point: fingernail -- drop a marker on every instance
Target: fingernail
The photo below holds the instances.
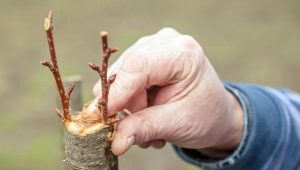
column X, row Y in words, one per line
column 122, row 115
column 121, row 144
column 158, row 144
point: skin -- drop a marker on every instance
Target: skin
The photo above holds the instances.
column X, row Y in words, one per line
column 175, row 96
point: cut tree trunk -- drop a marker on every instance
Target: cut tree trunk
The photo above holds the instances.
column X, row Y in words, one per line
column 90, row 152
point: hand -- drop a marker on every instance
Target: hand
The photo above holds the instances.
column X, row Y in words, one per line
column 175, row 95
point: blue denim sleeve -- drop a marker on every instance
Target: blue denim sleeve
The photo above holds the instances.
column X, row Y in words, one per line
column 271, row 135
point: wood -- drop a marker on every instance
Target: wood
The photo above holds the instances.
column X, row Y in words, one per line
column 105, row 83
column 76, row 98
column 90, row 152
column 87, row 142
column 53, row 67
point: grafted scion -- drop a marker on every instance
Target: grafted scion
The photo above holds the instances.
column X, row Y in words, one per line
column 105, row 82
column 53, row 66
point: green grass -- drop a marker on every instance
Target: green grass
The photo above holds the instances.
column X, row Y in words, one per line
column 42, row 152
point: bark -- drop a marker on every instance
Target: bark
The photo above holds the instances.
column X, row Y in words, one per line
column 90, row 152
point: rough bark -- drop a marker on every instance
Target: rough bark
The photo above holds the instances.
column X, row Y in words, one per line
column 90, row 152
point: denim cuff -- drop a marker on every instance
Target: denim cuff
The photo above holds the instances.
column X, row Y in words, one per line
column 195, row 157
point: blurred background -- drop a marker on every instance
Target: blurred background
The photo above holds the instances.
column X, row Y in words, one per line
column 247, row 41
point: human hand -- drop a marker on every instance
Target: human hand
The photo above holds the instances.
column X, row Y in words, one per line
column 188, row 104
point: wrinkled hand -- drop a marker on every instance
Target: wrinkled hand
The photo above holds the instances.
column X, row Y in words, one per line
column 175, row 95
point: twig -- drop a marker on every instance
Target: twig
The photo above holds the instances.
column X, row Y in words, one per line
column 111, row 79
column 53, row 66
column 105, row 83
column 70, row 90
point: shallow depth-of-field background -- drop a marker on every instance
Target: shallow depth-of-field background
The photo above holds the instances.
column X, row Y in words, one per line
column 250, row 41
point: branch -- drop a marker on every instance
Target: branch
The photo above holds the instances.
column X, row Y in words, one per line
column 95, row 67
column 70, row 90
column 105, row 83
column 52, row 64
column 102, row 107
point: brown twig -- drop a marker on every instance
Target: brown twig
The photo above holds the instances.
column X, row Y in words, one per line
column 105, row 83
column 111, row 80
column 53, row 66
column 70, row 90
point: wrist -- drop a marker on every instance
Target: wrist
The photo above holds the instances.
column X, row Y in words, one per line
column 237, row 124
column 232, row 136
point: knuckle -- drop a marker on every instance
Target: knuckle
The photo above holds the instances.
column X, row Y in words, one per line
column 150, row 129
column 135, row 64
column 188, row 40
column 143, row 40
column 188, row 43
column 144, row 145
column 167, row 31
column 147, row 129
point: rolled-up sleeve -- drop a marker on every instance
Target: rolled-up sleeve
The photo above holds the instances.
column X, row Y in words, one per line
column 271, row 135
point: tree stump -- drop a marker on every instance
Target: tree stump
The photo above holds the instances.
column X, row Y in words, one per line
column 90, row 152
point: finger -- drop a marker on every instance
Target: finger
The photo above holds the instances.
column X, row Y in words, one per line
column 112, row 70
column 127, row 89
column 123, row 114
column 144, row 145
column 147, row 125
column 140, row 70
column 158, row 144
column 138, row 73
column 92, row 108
column 138, row 102
column 164, row 34
column 140, row 43
column 131, row 81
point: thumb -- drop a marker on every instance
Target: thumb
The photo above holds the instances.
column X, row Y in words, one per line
column 145, row 126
